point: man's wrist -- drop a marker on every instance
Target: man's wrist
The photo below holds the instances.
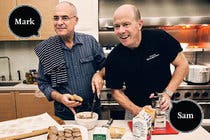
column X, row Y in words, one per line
column 136, row 111
column 168, row 92
column 98, row 72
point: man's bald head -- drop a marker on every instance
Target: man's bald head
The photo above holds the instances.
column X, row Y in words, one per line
column 129, row 8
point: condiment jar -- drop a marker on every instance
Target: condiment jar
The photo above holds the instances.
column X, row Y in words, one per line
column 160, row 116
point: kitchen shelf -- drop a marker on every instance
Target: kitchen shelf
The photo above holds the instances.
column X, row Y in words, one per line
column 194, row 50
column 206, row 49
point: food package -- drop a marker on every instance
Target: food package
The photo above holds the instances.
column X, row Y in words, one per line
column 140, row 128
column 142, row 123
column 148, row 114
column 116, row 132
column 101, row 133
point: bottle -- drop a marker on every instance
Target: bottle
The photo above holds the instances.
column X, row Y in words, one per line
column 160, row 116
column 29, row 78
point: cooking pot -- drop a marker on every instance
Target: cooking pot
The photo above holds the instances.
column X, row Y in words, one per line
column 198, row 74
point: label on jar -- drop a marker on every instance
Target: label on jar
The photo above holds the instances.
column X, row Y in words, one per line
column 160, row 119
column 160, row 122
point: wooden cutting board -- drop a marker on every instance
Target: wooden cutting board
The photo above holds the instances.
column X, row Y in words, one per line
column 58, row 120
column 27, row 126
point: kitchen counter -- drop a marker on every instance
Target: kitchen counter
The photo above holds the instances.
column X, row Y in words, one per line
column 200, row 133
column 206, row 122
column 22, row 86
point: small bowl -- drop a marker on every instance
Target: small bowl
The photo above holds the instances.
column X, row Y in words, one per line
column 84, row 119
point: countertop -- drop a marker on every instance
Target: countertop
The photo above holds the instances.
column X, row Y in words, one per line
column 22, row 86
column 200, row 133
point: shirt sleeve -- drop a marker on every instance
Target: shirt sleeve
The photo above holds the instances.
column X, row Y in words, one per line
column 172, row 46
column 99, row 56
column 44, row 83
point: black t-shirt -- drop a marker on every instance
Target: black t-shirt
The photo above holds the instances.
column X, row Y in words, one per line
column 145, row 69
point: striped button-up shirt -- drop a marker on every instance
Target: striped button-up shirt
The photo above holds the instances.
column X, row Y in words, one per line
column 82, row 61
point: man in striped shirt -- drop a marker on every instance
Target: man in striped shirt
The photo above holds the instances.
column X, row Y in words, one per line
column 70, row 63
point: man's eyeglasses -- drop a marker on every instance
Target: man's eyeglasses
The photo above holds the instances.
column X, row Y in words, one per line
column 64, row 18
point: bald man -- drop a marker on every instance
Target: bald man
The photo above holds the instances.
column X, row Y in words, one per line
column 141, row 63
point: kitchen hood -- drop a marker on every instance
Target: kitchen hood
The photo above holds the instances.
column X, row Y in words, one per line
column 107, row 23
column 159, row 12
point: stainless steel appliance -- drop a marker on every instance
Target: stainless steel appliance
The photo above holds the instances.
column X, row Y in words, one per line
column 198, row 74
column 198, row 93
column 110, row 108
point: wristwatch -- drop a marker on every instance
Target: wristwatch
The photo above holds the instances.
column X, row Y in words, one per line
column 168, row 92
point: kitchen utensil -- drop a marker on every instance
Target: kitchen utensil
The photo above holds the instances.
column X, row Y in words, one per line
column 92, row 107
column 108, row 123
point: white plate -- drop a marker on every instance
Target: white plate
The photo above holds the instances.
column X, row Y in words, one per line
column 83, row 129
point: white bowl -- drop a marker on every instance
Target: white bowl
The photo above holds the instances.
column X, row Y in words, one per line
column 83, row 118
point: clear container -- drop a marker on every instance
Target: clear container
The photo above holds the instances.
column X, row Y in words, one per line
column 160, row 116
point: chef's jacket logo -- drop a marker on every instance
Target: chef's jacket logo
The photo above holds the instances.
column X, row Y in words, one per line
column 152, row 56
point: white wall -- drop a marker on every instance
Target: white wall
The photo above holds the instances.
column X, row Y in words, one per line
column 21, row 55
column 87, row 12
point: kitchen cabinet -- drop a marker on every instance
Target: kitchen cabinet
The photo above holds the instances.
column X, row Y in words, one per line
column 5, row 9
column 29, row 103
column 86, row 24
column 7, row 105
column 22, row 103
column 46, row 10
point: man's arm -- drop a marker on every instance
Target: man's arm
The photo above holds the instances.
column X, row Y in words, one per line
column 125, row 102
column 181, row 70
column 51, row 94
column 98, row 81
column 44, row 83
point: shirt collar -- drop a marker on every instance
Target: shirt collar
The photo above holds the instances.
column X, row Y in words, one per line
column 77, row 41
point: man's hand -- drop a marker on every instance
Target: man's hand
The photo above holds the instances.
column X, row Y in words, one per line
column 66, row 100
column 97, row 82
column 165, row 103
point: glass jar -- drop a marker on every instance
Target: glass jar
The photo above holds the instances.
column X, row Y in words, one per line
column 160, row 116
